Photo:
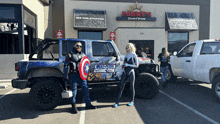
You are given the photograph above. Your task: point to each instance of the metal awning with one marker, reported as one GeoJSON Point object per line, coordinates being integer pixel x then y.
{"type": "Point", "coordinates": [180, 21]}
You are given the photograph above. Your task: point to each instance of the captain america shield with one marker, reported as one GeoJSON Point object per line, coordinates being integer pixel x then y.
{"type": "Point", "coordinates": [84, 67]}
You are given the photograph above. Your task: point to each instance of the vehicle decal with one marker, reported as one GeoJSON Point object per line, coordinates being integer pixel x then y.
{"type": "Point", "coordinates": [104, 68]}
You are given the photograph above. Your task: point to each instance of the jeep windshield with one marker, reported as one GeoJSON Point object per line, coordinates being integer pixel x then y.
{"type": "Point", "coordinates": [48, 49]}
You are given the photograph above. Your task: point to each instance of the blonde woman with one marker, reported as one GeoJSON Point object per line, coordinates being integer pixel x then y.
{"type": "Point", "coordinates": [130, 62]}
{"type": "Point", "coordinates": [164, 58]}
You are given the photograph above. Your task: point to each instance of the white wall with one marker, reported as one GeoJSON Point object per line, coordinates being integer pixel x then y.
{"type": "Point", "coordinates": [7, 66]}
{"type": "Point", "coordinates": [214, 19]}
{"type": "Point", "coordinates": [37, 7]}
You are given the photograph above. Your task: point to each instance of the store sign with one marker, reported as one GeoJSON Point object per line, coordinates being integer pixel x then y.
{"type": "Point", "coordinates": [183, 21]}
{"type": "Point", "coordinates": [59, 34]}
{"type": "Point", "coordinates": [112, 36]}
{"type": "Point", "coordinates": [135, 14]}
{"type": "Point", "coordinates": [87, 19]}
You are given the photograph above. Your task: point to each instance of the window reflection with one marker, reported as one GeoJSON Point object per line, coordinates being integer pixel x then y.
{"type": "Point", "coordinates": [177, 40]}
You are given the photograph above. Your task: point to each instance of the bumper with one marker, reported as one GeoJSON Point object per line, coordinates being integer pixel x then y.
{"type": "Point", "coordinates": [20, 84]}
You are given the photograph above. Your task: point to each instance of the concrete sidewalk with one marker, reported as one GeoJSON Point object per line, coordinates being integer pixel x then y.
{"type": "Point", "coordinates": [4, 83]}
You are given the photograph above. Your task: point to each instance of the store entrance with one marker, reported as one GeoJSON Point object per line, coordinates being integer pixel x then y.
{"type": "Point", "coordinates": [9, 41]}
{"type": "Point", "coordinates": [146, 45]}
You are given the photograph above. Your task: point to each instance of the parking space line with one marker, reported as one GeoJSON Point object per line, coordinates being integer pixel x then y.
{"type": "Point", "coordinates": [82, 114]}
{"type": "Point", "coordinates": [190, 108]}
{"type": "Point", "coordinates": [7, 93]}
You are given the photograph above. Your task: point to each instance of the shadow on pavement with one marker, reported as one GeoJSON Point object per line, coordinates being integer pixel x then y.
{"type": "Point", "coordinates": [19, 106]}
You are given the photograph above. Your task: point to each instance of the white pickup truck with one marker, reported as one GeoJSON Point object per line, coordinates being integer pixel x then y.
{"type": "Point", "coordinates": [199, 61]}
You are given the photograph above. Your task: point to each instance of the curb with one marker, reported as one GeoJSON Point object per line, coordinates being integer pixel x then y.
{"type": "Point", "coordinates": [4, 86]}
{"type": "Point", "coordinates": [4, 83]}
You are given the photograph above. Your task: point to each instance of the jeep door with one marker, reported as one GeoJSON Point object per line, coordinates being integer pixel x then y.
{"type": "Point", "coordinates": [103, 61]}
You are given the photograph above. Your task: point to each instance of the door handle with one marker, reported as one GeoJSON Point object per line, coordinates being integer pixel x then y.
{"type": "Point", "coordinates": [188, 61]}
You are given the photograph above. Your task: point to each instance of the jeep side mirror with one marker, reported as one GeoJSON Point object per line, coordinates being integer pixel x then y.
{"type": "Point", "coordinates": [174, 53]}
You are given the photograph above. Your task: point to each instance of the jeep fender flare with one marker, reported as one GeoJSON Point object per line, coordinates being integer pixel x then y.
{"type": "Point", "coordinates": [43, 72]}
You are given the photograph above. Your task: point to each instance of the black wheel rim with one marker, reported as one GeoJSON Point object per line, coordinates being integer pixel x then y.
{"type": "Point", "coordinates": [46, 95]}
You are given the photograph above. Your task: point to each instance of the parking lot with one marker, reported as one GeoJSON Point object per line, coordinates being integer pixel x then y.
{"type": "Point", "coordinates": [183, 102]}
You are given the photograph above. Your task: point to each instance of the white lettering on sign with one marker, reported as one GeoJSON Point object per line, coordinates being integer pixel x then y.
{"type": "Point", "coordinates": [104, 68]}
{"type": "Point", "coordinates": [130, 18]}
{"type": "Point", "coordinates": [59, 34]}
{"type": "Point", "coordinates": [112, 35]}
{"type": "Point", "coordinates": [91, 18]}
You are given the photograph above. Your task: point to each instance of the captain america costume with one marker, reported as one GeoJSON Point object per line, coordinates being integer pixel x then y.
{"type": "Point", "coordinates": [74, 77]}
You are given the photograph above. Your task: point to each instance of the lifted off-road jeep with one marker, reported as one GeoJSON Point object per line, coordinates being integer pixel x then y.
{"type": "Point", "coordinates": [43, 71]}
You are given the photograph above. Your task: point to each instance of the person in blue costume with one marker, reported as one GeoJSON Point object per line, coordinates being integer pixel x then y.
{"type": "Point", "coordinates": [74, 78]}
{"type": "Point", "coordinates": [130, 62]}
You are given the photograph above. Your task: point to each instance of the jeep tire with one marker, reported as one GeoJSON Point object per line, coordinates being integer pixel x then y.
{"type": "Point", "coordinates": [216, 87]}
{"type": "Point", "coordinates": [146, 86]}
{"type": "Point", "coordinates": [46, 94]}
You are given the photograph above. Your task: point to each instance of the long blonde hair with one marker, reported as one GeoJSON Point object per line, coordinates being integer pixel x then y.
{"type": "Point", "coordinates": [165, 53]}
{"type": "Point", "coordinates": [131, 45]}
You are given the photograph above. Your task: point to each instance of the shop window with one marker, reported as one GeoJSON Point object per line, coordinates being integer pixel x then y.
{"type": "Point", "coordinates": [146, 45]}
{"type": "Point", "coordinates": [177, 40]}
{"type": "Point", "coordinates": [91, 35]}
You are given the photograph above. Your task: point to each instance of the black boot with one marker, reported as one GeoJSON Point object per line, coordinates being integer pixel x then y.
{"type": "Point", "coordinates": [74, 109]}
{"type": "Point", "coordinates": [90, 107]}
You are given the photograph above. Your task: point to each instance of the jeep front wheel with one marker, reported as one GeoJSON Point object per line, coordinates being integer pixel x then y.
{"type": "Point", "coordinates": [146, 86]}
{"type": "Point", "coordinates": [46, 94]}
{"type": "Point", "coordinates": [216, 87]}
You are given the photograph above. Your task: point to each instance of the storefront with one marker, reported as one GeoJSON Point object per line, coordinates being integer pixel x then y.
{"type": "Point", "coordinates": [22, 23]}
{"type": "Point", "coordinates": [146, 25]}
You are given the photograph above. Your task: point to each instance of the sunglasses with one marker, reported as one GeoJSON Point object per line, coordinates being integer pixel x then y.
{"type": "Point", "coordinates": [79, 46]}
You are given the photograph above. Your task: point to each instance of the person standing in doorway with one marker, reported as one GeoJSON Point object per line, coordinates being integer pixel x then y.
{"type": "Point", "coordinates": [148, 52]}
{"type": "Point", "coordinates": [140, 53]}
{"type": "Point", "coordinates": [164, 58]}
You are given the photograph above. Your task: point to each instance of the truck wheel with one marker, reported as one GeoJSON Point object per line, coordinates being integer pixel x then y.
{"type": "Point", "coordinates": [170, 77]}
{"type": "Point", "coordinates": [216, 87]}
{"type": "Point", "coordinates": [46, 94]}
{"type": "Point", "coordinates": [146, 86]}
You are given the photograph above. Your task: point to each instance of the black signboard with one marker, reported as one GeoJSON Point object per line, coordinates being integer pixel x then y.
{"type": "Point", "coordinates": [7, 13]}
{"type": "Point", "coordinates": [89, 19]}
{"type": "Point", "coordinates": [180, 21]}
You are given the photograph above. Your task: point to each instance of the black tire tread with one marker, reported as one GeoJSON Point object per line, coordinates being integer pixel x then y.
{"type": "Point", "coordinates": [48, 82]}
{"type": "Point", "coordinates": [214, 81]}
{"type": "Point", "coordinates": [146, 80]}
